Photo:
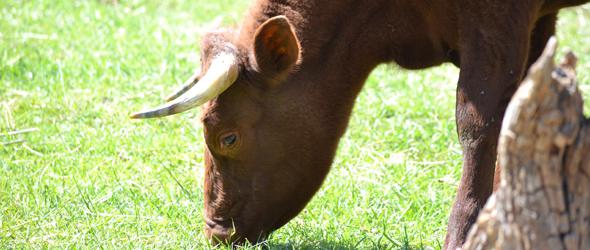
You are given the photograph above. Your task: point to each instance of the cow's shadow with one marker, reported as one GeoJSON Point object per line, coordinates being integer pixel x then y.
{"type": "Point", "coordinates": [339, 245]}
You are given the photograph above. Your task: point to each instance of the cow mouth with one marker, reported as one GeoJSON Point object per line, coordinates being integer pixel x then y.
{"type": "Point", "coordinates": [227, 232]}
{"type": "Point", "coordinates": [221, 231]}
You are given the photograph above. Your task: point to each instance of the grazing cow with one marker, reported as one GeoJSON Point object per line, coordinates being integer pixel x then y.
{"type": "Point", "coordinates": [278, 93]}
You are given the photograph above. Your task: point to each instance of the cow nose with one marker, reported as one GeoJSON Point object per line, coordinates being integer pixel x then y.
{"type": "Point", "coordinates": [217, 233]}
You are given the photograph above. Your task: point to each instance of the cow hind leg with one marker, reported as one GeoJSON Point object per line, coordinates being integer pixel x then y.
{"type": "Point", "coordinates": [544, 29]}
{"type": "Point", "coordinates": [491, 68]}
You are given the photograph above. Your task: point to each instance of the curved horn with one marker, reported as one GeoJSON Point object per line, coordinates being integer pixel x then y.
{"type": "Point", "coordinates": [221, 74]}
{"type": "Point", "coordinates": [188, 84]}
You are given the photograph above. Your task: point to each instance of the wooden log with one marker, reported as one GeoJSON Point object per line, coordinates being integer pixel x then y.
{"type": "Point", "coordinates": [543, 201]}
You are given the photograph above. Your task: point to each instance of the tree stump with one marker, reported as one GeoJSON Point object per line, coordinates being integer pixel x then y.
{"type": "Point", "coordinates": [543, 201]}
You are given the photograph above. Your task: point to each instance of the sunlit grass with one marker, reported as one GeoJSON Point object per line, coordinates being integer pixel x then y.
{"type": "Point", "coordinates": [90, 177]}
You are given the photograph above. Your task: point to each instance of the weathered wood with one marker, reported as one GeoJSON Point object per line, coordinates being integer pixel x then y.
{"type": "Point", "coordinates": [543, 201]}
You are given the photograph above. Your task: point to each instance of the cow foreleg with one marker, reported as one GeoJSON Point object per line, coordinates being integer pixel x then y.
{"type": "Point", "coordinates": [490, 72]}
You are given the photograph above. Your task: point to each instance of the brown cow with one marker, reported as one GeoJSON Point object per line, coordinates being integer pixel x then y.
{"type": "Point", "coordinates": [278, 94]}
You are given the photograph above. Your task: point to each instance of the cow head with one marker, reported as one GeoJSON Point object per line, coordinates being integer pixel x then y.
{"type": "Point", "coordinates": [261, 157]}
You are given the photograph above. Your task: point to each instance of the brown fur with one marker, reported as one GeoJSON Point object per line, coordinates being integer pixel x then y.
{"type": "Point", "coordinates": [299, 79]}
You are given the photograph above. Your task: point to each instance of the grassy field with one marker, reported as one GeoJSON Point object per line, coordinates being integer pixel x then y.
{"type": "Point", "coordinates": [88, 177]}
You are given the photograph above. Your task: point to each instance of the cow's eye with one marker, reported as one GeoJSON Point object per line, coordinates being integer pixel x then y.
{"type": "Point", "coordinates": [229, 140]}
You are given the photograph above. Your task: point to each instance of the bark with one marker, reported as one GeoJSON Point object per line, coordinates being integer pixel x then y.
{"type": "Point", "coordinates": [543, 201]}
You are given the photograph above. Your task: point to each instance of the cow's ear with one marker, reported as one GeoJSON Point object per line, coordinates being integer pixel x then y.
{"type": "Point", "coordinates": [276, 48]}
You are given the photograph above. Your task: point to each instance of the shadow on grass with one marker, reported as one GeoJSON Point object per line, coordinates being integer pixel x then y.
{"type": "Point", "coordinates": [383, 241]}
{"type": "Point", "coordinates": [362, 244]}
{"type": "Point", "coordinates": [338, 245]}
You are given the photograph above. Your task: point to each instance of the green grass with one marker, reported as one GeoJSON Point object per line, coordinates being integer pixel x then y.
{"type": "Point", "coordinates": [91, 178]}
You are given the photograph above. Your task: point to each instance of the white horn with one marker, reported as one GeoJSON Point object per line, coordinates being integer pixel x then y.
{"type": "Point", "coordinates": [188, 84]}
{"type": "Point", "coordinates": [221, 74]}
